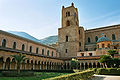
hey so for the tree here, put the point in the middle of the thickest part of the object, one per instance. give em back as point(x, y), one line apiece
point(112, 53)
point(20, 58)
point(116, 62)
point(74, 63)
point(105, 59)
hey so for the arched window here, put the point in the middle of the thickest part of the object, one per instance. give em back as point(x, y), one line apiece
point(82, 54)
point(68, 23)
point(68, 13)
point(37, 49)
point(30, 48)
point(113, 36)
point(52, 53)
point(4, 43)
point(108, 45)
point(74, 15)
point(23, 47)
point(88, 39)
point(98, 46)
point(42, 51)
point(90, 54)
point(103, 46)
point(96, 38)
point(86, 49)
point(14, 45)
point(66, 38)
point(48, 53)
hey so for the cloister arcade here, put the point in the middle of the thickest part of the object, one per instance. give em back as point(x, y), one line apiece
point(84, 65)
point(10, 64)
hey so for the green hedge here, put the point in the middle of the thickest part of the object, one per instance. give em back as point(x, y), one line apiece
point(108, 71)
point(74, 76)
point(15, 74)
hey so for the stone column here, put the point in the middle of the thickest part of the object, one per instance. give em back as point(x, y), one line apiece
point(3, 67)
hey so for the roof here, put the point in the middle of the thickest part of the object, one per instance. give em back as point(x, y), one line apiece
point(103, 38)
point(103, 28)
point(25, 36)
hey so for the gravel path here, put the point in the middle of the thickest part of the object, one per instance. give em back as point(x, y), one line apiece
point(105, 77)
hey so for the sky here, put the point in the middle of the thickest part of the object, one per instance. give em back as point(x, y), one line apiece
point(42, 18)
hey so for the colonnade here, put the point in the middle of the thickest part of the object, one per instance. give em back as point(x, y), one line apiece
point(10, 64)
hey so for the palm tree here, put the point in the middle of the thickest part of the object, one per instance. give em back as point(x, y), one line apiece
point(20, 58)
point(105, 60)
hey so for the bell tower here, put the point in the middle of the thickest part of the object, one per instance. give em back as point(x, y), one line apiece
point(70, 16)
point(70, 34)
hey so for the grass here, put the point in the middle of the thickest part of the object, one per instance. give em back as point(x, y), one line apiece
point(38, 76)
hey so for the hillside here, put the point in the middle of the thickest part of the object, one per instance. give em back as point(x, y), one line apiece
point(48, 40)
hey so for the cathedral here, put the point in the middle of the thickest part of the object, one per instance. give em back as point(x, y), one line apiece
point(85, 45)
point(73, 42)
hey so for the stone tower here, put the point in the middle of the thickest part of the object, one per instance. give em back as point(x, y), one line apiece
point(70, 35)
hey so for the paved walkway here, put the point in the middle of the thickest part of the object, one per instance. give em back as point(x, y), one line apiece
point(106, 77)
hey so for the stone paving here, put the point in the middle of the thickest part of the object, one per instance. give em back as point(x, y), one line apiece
point(105, 77)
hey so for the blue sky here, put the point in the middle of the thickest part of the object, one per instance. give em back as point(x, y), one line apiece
point(42, 18)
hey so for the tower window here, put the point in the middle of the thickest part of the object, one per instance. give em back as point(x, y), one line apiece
point(79, 43)
point(113, 36)
point(3, 43)
point(103, 46)
point(37, 49)
point(74, 15)
point(14, 45)
point(88, 39)
point(96, 38)
point(66, 51)
point(79, 31)
point(23, 47)
point(68, 23)
point(66, 38)
point(67, 14)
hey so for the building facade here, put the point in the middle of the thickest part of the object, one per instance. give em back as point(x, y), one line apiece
point(85, 45)
point(40, 56)
point(73, 42)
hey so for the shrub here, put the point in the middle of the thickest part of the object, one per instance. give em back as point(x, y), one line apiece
point(108, 71)
point(16, 74)
point(94, 69)
point(74, 76)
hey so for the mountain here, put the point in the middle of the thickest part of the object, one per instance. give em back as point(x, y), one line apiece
point(47, 41)
point(24, 35)
point(50, 40)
